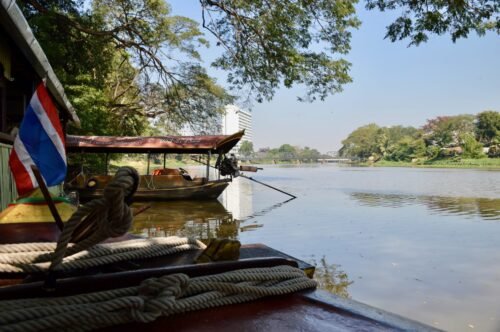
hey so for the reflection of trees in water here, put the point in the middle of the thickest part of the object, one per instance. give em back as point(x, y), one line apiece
point(331, 278)
point(486, 208)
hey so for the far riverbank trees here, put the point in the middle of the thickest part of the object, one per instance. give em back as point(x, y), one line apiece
point(465, 136)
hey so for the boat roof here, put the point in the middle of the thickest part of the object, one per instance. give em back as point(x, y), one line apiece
point(153, 144)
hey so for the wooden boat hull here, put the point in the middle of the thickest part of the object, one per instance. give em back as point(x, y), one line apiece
point(205, 191)
point(311, 310)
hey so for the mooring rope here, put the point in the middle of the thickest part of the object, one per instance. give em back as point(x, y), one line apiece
point(36, 257)
point(110, 213)
point(155, 297)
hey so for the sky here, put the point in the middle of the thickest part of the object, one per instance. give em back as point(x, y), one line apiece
point(393, 84)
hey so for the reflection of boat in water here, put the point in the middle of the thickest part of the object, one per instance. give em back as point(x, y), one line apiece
point(204, 220)
point(164, 184)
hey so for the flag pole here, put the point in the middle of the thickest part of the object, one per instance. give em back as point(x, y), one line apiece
point(47, 197)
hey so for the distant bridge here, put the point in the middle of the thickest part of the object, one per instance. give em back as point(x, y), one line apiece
point(334, 160)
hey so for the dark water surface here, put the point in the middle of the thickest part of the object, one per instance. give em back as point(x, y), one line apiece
point(423, 243)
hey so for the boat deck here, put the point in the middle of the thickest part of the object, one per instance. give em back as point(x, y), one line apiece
point(296, 312)
point(312, 310)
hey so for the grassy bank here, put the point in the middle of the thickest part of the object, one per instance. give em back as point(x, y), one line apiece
point(492, 163)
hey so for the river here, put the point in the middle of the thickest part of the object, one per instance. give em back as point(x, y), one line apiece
point(422, 243)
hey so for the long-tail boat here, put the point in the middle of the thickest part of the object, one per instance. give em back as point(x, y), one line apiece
point(164, 184)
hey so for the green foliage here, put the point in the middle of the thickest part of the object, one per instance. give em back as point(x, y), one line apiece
point(246, 149)
point(494, 151)
point(445, 131)
point(363, 142)
point(287, 153)
point(406, 149)
point(471, 148)
point(488, 127)
point(432, 152)
point(275, 42)
point(308, 154)
point(440, 138)
point(420, 18)
point(128, 62)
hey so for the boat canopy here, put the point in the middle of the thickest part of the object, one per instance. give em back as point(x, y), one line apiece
point(153, 144)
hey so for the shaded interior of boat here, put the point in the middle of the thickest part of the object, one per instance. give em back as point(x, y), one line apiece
point(175, 185)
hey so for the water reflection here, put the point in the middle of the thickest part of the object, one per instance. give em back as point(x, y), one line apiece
point(203, 220)
point(331, 278)
point(237, 198)
point(486, 208)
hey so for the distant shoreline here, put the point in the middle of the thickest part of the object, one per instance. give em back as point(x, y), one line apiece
point(485, 163)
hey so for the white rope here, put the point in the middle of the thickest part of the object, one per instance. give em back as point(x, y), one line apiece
point(36, 257)
point(155, 297)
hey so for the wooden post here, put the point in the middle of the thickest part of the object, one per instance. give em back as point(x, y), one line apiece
point(208, 165)
point(164, 160)
point(47, 197)
point(106, 164)
point(147, 172)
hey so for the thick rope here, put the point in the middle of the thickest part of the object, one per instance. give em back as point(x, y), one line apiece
point(155, 297)
point(111, 214)
point(35, 257)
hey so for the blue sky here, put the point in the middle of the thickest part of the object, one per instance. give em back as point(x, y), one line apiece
point(392, 84)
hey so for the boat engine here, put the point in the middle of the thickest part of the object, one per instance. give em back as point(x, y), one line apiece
point(228, 166)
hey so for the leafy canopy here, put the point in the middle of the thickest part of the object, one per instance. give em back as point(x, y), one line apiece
point(419, 18)
point(147, 63)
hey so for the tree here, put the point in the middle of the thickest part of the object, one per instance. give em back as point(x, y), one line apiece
point(141, 58)
point(275, 42)
point(488, 127)
point(287, 152)
point(406, 149)
point(471, 148)
point(445, 131)
point(147, 61)
point(246, 149)
point(308, 154)
point(362, 143)
point(420, 18)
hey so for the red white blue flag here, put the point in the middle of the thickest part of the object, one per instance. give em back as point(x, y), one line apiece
point(40, 142)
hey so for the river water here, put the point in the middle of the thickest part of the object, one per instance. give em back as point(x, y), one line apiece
point(422, 243)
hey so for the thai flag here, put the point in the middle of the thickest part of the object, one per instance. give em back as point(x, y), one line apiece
point(40, 142)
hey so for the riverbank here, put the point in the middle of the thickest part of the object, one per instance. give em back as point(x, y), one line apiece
point(487, 163)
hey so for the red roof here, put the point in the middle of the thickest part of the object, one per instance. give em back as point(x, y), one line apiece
point(153, 144)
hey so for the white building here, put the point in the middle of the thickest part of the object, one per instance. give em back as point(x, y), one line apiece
point(234, 120)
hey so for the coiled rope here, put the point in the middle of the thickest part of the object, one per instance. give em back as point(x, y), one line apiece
point(110, 216)
point(35, 257)
point(155, 297)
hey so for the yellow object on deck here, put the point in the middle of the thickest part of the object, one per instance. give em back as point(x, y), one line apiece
point(35, 209)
